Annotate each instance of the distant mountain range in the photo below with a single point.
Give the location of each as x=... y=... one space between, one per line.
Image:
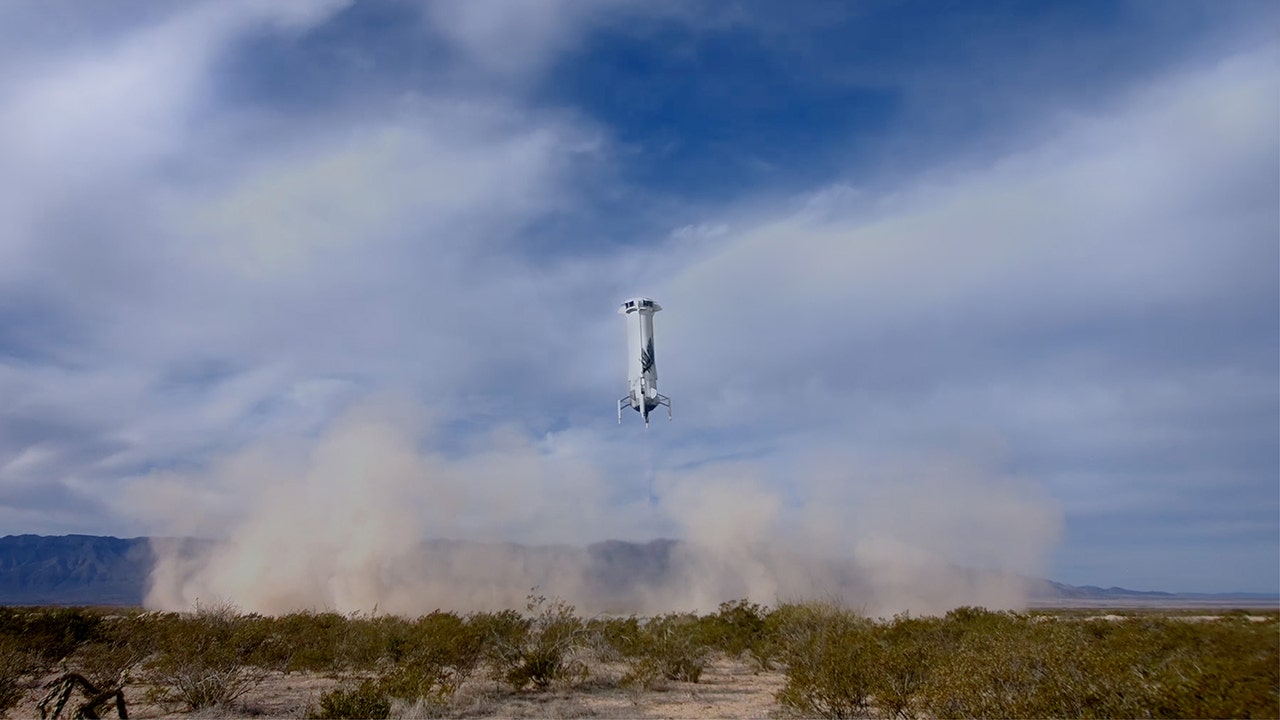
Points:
x=1048 y=592
x=73 y=570
x=109 y=571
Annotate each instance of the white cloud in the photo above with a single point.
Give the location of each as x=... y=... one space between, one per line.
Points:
x=516 y=39
x=106 y=114
x=1115 y=219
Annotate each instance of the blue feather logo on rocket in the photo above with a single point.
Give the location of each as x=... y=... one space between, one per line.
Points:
x=646 y=357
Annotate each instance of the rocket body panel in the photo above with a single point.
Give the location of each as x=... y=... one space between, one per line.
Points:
x=642 y=371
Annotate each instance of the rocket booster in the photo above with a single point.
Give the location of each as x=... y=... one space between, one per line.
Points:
x=642 y=369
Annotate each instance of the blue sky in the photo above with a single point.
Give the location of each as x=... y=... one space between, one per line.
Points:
x=995 y=284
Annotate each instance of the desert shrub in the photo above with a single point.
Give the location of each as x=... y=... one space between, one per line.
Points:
x=16 y=663
x=436 y=655
x=1228 y=667
x=737 y=628
x=120 y=645
x=35 y=640
x=1091 y=670
x=1008 y=665
x=303 y=642
x=907 y=648
x=966 y=620
x=540 y=649
x=416 y=682
x=366 y=700
x=991 y=666
x=1163 y=667
x=392 y=637
x=612 y=639
x=50 y=634
x=831 y=654
x=330 y=642
x=368 y=642
x=203 y=659
x=668 y=647
x=504 y=627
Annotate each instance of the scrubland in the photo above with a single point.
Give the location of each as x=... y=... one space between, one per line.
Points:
x=744 y=660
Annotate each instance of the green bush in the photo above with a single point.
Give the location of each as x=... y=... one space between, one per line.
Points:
x=988 y=668
x=740 y=627
x=367 y=700
x=540 y=649
x=16 y=663
x=1228 y=667
x=667 y=647
x=437 y=653
x=831 y=655
x=121 y=644
x=500 y=628
x=1012 y=665
x=1009 y=665
x=50 y=634
x=304 y=642
x=907 y=649
x=204 y=659
x=367 y=642
x=612 y=639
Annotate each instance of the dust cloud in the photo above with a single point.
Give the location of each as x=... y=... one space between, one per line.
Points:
x=365 y=518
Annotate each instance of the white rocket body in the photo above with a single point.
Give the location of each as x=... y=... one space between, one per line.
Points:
x=642 y=369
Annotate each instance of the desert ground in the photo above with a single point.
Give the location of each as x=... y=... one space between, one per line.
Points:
x=728 y=688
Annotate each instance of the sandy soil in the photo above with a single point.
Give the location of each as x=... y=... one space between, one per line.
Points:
x=727 y=689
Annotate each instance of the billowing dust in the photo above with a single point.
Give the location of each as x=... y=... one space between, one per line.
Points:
x=365 y=517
